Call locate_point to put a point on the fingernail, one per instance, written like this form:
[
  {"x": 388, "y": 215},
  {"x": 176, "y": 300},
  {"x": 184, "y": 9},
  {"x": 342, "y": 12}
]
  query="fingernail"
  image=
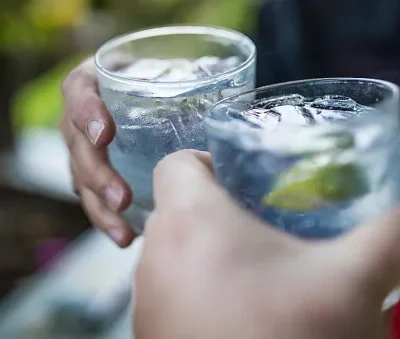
[
  {"x": 114, "y": 195},
  {"x": 117, "y": 235},
  {"x": 94, "y": 129}
]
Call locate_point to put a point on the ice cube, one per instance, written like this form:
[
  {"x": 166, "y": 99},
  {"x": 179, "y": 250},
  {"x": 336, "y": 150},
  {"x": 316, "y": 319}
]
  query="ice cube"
[
  {"x": 335, "y": 102},
  {"x": 297, "y": 110},
  {"x": 295, "y": 115},
  {"x": 146, "y": 69},
  {"x": 169, "y": 70},
  {"x": 229, "y": 63},
  {"x": 260, "y": 116},
  {"x": 203, "y": 67},
  {"x": 211, "y": 65},
  {"x": 225, "y": 65},
  {"x": 178, "y": 70},
  {"x": 293, "y": 100},
  {"x": 292, "y": 115},
  {"x": 326, "y": 116}
]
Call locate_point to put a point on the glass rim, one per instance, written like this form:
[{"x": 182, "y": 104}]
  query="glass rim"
[
  {"x": 235, "y": 36},
  {"x": 318, "y": 81}
]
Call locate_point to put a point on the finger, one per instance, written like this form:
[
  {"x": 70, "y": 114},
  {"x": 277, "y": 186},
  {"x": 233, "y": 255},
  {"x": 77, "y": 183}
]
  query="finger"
[
  {"x": 184, "y": 178},
  {"x": 108, "y": 221},
  {"x": 372, "y": 253},
  {"x": 84, "y": 108},
  {"x": 93, "y": 170},
  {"x": 185, "y": 189},
  {"x": 186, "y": 197}
]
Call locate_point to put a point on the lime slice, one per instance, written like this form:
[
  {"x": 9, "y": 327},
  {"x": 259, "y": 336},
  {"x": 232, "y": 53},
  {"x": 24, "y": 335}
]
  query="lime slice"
[{"x": 306, "y": 187}]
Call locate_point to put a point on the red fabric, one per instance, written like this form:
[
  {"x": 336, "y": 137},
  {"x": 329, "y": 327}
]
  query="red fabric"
[{"x": 396, "y": 322}]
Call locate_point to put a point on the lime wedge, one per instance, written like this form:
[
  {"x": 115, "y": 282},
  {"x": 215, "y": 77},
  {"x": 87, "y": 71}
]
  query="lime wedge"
[{"x": 306, "y": 186}]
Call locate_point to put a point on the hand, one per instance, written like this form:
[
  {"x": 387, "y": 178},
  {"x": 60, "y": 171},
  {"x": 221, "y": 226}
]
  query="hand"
[
  {"x": 88, "y": 128},
  {"x": 211, "y": 270}
]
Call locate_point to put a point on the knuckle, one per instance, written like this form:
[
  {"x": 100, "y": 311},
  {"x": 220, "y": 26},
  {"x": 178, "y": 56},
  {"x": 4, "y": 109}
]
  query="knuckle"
[
  {"x": 91, "y": 103},
  {"x": 69, "y": 80},
  {"x": 90, "y": 174},
  {"x": 89, "y": 107},
  {"x": 83, "y": 171},
  {"x": 91, "y": 207},
  {"x": 74, "y": 173},
  {"x": 76, "y": 75},
  {"x": 96, "y": 177},
  {"x": 70, "y": 140},
  {"x": 92, "y": 214},
  {"x": 66, "y": 126}
]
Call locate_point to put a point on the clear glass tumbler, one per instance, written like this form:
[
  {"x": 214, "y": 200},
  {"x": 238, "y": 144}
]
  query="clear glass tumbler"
[
  {"x": 157, "y": 85},
  {"x": 315, "y": 158}
]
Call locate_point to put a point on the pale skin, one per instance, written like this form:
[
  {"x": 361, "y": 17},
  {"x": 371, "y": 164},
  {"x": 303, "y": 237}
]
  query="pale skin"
[{"x": 210, "y": 269}]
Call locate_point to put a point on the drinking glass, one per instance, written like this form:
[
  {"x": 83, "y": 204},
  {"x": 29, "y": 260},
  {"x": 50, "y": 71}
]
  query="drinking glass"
[
  {"x": 314, "y": 158},
  {"x": 157, "y": 85}
]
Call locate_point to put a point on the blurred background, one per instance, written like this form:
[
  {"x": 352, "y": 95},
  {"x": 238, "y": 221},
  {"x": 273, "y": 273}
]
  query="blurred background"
[{"x": 46, "y": 244}]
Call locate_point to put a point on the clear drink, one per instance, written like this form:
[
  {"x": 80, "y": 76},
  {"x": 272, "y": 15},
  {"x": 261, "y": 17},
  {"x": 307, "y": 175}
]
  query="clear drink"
[
  {"x": 315, "y": 158},
  {"x": 157, "y": 85}
]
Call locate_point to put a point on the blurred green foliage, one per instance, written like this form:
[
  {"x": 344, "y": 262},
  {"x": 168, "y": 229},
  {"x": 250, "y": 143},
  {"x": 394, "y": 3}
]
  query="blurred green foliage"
[
  {"x": 39, "y": 103},
  {"x": 38, "y": 24},
  {"x": 41, "y": 24},
  {"x": 31, "y": 27},
  {"x": 235, "y": 14}
]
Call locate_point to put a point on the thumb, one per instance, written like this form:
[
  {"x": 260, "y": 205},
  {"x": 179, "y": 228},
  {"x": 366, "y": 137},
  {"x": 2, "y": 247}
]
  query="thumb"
[
  {"x": 184, "y": 178},
  {"x": 371, "y": 253}
]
